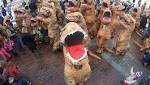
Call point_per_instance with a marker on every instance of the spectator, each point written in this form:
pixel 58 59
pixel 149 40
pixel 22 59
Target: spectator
pixel 12 34
pixel 11 72
pixel 4 12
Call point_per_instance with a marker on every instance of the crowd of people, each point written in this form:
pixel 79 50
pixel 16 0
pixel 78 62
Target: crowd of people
pixel 69 25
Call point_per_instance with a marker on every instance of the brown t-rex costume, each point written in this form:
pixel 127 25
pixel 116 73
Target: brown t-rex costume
pixel 59 12
pixel 76 70
pixel 78 18
pixel 88 10
pixel 27 21
pixel 47 16
pixel 122 45
pixel 145 46
pixel 105 29
pixel 19 14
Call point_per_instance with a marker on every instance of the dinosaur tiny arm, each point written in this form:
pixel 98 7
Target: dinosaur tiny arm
pixel 94 55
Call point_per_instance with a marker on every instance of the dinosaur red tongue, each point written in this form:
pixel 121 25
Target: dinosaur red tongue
pixel 76 51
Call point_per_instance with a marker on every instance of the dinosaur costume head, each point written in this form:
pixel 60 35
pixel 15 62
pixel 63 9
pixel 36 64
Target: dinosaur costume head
pixel 34 22
pixel 72 37
pixel 127 21
pixel 106 16
pixel 70 29
pixel 78 18
pixel 118 10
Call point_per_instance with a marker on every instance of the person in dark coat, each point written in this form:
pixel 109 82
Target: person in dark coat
pixel 29 40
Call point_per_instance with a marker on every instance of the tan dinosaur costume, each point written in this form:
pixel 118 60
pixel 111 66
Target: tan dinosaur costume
pixel 105 29
pixel 88 11
pixel 76 70
pixel 122 45
pixel 48 19
pixel 59 12
pixel 146 45
pixel 19 14
pixel 27 21
pixel 78 18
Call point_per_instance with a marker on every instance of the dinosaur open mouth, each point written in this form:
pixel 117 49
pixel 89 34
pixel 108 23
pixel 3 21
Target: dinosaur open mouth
pixel 74 38
pixel 75 47
pixel 123 20
pixel 107 16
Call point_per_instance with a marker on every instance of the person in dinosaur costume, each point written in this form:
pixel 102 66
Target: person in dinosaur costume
pixel 88 11
pixel 19 14
pixel 145 46
pixel 135 14
pixel 59 12
pixel 48 19
pixel 105 29
pixel 117 12
pixel 122 44
pixel 78 18
pixel 73 14
pixel 34 25
pixel 26 20
pixel 76 68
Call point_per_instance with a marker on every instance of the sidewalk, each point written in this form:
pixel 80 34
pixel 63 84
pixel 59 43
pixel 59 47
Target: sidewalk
pixel 124 63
